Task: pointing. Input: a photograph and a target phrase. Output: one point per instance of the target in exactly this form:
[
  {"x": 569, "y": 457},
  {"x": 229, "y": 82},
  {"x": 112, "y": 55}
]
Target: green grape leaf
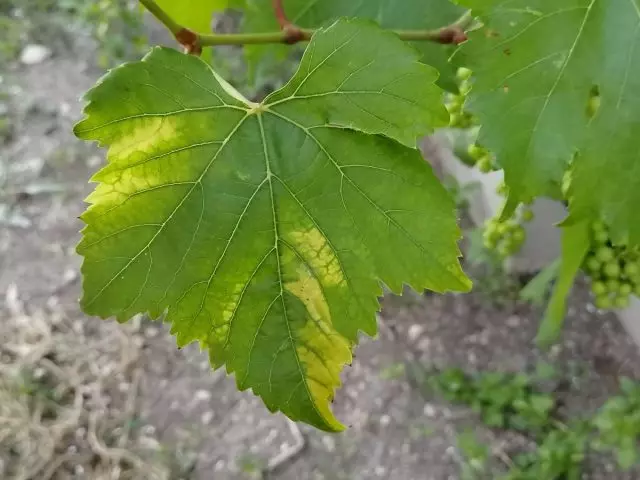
[
  {"x": 194, "y": 14},
  {"x": 558, "y": 77},
  {"x": 575, "y": 246},
  {"x": 263, "y": 230},
  {"x": 404, "y": 14}
]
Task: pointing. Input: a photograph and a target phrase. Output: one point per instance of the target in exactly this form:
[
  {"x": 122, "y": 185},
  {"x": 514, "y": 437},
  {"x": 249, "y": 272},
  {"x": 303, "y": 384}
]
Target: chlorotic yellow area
[
  {"x": 143, "y": 135},
  {"x": 140, "y": 137},
  {"x": 321, "y": 350},
  {"x": 315, "y": 249}
]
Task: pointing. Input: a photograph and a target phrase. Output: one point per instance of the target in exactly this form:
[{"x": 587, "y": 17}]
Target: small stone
[
  {"x": 151, "y": 332},
  {"x": 93, "y": 161},
  {"x": 513, "y": 321},
  {"x": 33, "y": 54},
  {"x": 148, "y": 443},
  {"x": 385, "y": 420},
  {"x": 329, "y": 443},
  {"x": 380, "y": 471},
  {"x": 203, "y": 395},
  {"x": 429, "y": 411},
  {"x": 414, "y": 332},
  {"x": 207, "y": 417}
]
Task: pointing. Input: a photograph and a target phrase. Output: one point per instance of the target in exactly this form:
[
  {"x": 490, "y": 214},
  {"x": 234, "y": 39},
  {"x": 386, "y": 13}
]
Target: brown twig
[
  {"x": 281, "y": 16},
  {"x": 290, "y": 33}
]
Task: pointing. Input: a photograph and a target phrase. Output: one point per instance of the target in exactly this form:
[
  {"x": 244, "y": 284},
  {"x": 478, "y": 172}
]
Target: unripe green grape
[
  {"x": 600, "y": 238},
  {"x": 463, "y": 73},
  {"x": 593, "y": 264},
  {"x": 505, "y": 250},
  {"x": 492, "y": 235},
  {"x": 613, "y": 286},
  {"x": 502, "y": 189},
  {"x": 476, "y": 151},
  {"x": 603, "y": 302},
  {"x": 527, "y": 215},
  {"x": 518, "y": 235},
  {"x": 455, "y": 103},
  {"x": 484, "y": 164},
  {"x": 455, "y": 119},
  {"x": 632, "y": 270},
  {"x": 489, "y": 243},
  {"x": 625, "y": 289},
  {"x": 605, "y": 254},
  {"x": 611, "y": 269},
  {"x": 621, "y": 301},
  {"x": 598, "y": 288}
]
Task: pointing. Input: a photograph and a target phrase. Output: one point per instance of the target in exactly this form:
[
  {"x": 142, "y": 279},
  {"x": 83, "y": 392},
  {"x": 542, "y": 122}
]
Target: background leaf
[
  {"x": 405, "y": 14},
  {"x": 538, "y": 65},
  {"x": 194, "y": 14},
  {"x": 263, "y": 230}
]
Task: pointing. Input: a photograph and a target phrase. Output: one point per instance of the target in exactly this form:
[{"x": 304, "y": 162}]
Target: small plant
[
  {"x": 515, "y": 402},
  {"x": 618, "y": 424}
]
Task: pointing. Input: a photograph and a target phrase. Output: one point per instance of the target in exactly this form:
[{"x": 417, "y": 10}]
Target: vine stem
[{"x": 193, "y": 42}]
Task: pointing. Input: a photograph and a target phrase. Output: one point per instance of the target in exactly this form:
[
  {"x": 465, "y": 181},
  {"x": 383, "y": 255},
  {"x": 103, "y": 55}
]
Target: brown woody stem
[{"x": 290, "y": 34}]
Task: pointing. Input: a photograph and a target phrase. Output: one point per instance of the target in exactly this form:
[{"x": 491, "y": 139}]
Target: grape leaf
[
  {"x": 263, "y": 230},
  {"x": 538, "y": 64},
  {"x": 194, "y": 14},
  {"x": 405, "y": 14}
]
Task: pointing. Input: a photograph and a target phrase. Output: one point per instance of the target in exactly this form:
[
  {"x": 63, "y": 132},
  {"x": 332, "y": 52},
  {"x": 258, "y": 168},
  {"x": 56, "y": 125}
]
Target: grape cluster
[
  {"x": 482, "y": 157},
  {"x": 614, "y": 270},
  {"x": 506, "y": 237},
  {"x": 455, "y": 102}
]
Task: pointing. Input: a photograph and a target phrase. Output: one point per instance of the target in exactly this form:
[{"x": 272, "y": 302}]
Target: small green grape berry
[
  {"x": 518, "y": 235},
  {"x": 484, "y": 164},
  {"x": 502, "y": 189},
  {"x": 463, "y": 73},
  {"x": 603, "y": 302},
  {"x": 491, "y": 235},
  {"x": 611, "y": 269},
  {"x": 621, "y": 301},
  {"x": 476, "y": 151},
  {"x": 503, "y": 229},
  {"x": 527, "y": 215},
  {"x": 632, "y": 270},
  {"x": 613, "y": 286},
  {"x": 598, "y": 288},
  {"x": 455, "y": 103},
  {"x": 625, "y": 289},
  {"x": 465, "y": 88},
  {"x": 593, "y": 265},
  {"x": 455, "y": 119},
  {"x": 600, "y": 238},
  {"x": 605, "y": 254},
  {"x": 489, "y": 243},
  {"x": 505, "y": 250}
]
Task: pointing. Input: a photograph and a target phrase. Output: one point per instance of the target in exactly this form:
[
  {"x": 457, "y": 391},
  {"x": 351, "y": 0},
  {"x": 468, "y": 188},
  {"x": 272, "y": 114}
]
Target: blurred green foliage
[
  {"x": 115, "y": 25},
  {"x": 526, "y": 404}
]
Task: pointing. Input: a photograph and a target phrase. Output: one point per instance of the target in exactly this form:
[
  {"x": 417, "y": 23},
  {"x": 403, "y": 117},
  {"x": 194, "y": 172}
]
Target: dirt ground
[{"x": 394, "y": 431}]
